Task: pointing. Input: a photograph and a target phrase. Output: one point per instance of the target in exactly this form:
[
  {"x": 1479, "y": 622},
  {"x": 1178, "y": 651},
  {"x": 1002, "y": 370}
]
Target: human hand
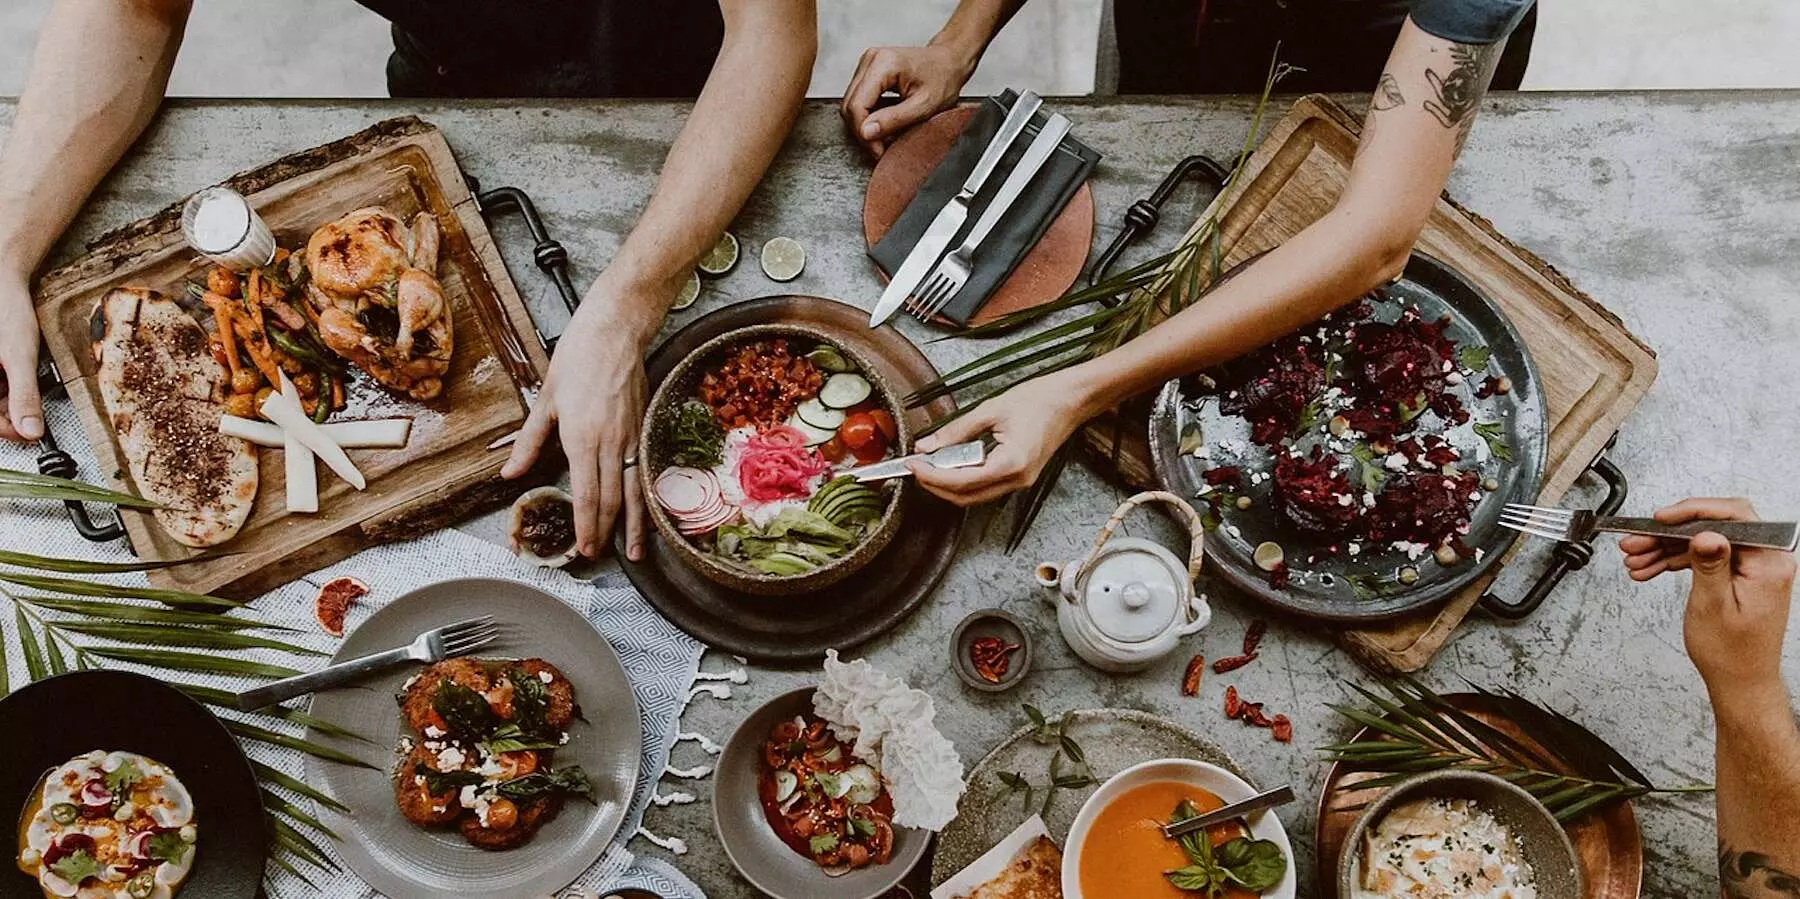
[
  {"x": 594, "y": 397},
  {"x": 1737, "y": 609},
  {"x": 1028, "y": 423},
  {"x": 19, "y": 358},
  {"x": 928, "y": 79}
]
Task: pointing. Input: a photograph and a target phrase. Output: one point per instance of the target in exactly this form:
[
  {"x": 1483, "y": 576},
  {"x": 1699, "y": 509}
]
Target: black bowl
[{"x": 57, "y": 719}]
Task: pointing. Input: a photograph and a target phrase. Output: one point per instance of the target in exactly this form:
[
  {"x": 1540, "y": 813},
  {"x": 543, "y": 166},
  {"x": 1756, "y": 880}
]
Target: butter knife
[
  {"x": 960, "y": 455},
  {"x": 950, "y": 219}
]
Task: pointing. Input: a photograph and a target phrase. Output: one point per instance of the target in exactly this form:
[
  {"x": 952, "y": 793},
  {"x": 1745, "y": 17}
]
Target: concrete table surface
[{"x": 1676, "y": 210}]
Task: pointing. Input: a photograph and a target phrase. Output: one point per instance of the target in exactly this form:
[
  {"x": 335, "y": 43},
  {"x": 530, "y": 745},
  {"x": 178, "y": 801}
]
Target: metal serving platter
[{"x": 1363, "y": 588}]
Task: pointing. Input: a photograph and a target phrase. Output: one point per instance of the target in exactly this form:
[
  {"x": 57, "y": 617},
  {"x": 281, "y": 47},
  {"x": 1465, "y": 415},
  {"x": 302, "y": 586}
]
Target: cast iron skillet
[
  {"x": 54, "y": 720},
  {"x": 1331, "y": 591}
]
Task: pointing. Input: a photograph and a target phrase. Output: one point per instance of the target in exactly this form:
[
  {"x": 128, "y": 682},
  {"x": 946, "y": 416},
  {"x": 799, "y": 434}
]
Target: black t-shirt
[
  {"x": 1224, "y": 46},
  {"x": 551, "y": 48}
]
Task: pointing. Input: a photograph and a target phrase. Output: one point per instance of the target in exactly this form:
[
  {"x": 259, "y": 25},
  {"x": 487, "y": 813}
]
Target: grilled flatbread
[
  {"x": 164, "y": 394},
  {"x": 1035, "y": 874}
]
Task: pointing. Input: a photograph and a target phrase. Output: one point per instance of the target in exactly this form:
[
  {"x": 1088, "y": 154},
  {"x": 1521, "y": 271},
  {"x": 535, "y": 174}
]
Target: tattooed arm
[
  {"x": 1736, "y": 620},
  {"x": 1420, "y": 113}
]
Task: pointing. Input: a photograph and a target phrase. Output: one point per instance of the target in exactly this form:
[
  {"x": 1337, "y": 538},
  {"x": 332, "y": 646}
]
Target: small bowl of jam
[{"x": 543, "y": 527}]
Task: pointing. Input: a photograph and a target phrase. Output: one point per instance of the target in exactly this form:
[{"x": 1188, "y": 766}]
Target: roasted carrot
[
  {"x": 256, "y": 343},
  {"x": 221, "y": 309}
]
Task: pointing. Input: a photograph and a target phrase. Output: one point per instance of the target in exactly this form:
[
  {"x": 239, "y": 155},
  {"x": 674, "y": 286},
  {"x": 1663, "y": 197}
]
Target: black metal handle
[
  {"x": 1569, "y": 555},
  {"x": 551, "y": 258},
  {"x": 56, "y": 463},
  {"x": 1141, "y": 217}
]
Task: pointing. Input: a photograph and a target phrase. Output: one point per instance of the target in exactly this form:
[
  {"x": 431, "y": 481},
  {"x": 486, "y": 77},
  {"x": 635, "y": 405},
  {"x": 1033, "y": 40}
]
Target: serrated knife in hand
[{"x": 955, "y": 213}]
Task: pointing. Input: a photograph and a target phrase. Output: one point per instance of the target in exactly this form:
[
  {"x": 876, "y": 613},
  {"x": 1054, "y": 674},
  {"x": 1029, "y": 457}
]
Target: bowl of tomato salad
[{"x": 744, "y": 457}]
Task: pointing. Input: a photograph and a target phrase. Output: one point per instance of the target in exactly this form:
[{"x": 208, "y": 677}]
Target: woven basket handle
[{"x": 1190, "y": 518}]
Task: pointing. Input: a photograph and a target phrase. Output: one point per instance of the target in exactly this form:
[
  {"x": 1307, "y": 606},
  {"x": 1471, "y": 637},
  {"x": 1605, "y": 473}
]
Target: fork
[
  {"x": 1580, "y": 525},
  {"x": 954, "y": 270},
  {"x": 434, "y": 645}
]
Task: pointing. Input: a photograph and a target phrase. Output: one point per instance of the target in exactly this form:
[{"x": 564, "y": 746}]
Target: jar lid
[{"x": 1131, "y": 595}]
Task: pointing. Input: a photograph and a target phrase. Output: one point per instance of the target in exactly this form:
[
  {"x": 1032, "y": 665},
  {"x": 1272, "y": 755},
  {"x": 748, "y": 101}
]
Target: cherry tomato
[
  {"x": 860, "y": 432},
  {"x": 871, "y": 453},
  {"x": 885, "y": 421},
  {"x": 834, "y": 450}
]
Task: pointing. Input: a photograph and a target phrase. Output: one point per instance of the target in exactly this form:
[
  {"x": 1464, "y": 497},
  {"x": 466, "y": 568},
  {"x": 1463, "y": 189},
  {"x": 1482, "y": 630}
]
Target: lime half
[
  {"x": 783, "y": 258},
  {"x": 721, "y": 257},
  {"x": 689, "y": 293}
]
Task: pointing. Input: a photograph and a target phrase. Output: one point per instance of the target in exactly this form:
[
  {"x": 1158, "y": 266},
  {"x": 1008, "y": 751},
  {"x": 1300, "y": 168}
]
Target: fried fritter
[
  {"x": 532, "y": 814},
  {"x": 416, "y": 704},
  {"x": 416, "y": 801},
  {"x": 560, "y": 707}
]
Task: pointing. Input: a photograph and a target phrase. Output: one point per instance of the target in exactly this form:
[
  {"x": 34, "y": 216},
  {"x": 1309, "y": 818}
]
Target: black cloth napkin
[{"x": 1023, "y": 225}]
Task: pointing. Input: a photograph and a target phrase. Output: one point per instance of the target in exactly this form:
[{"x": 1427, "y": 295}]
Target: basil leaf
[
  {"x": 1194, "y": 878},
  {"x": 1197, "y": 846},
  {"x": 571, "y": 780},
  {"x": 1252, "y": 864},
  {"x": 445, "y": 781},
  {"x": 465, "y": 711}
]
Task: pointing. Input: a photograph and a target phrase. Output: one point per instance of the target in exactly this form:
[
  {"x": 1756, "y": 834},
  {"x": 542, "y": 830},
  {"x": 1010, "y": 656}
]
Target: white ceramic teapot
[{"x": 1129, "y": 602}]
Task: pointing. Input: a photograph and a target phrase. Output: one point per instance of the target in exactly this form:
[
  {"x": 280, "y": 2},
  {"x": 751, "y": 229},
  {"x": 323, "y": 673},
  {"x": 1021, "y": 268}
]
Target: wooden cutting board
[
  {"x": 445, "y": 473},
  {"x": 1594, "y": 371}
]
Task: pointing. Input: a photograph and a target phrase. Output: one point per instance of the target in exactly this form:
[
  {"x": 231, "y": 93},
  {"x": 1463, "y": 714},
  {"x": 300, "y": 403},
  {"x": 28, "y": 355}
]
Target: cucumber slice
[
  {"x": 818, "y": 415},
  {"x": 827, "y": 359},
  {"x": 865, "y": 784},
  {"x": 814, "y": 435},
  {"x": 841, "y": 391}
]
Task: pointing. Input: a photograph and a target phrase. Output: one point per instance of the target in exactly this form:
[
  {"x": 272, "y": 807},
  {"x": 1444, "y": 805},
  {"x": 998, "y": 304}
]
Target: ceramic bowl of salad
[{"x": 744, "y": 451}]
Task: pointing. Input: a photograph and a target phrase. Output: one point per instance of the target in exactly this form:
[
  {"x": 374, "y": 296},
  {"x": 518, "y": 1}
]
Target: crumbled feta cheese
[
  {"x": 1454, "y": 378},
  {"x": 1344, "y": 499},
  {"x": 1354, "y": 548},
  {"x": 450, "y": 758},
  {"x": 418, "y": 780},
  {"x": 410, "y": 681},
  {"x": 1368, "y": 499},
  {"x": 432, "y": 731},
  {"x": 546, "y": 676},
  {"x": 467, "y": 796},
  {"x": 1396, "y": 462}
]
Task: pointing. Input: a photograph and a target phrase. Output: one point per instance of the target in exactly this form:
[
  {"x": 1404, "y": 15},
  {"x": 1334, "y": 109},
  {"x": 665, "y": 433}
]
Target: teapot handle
[{"x": 1190, "y": 518}]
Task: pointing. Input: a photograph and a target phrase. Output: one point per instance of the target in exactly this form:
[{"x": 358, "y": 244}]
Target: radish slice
[{"x": 685, "y": 490}]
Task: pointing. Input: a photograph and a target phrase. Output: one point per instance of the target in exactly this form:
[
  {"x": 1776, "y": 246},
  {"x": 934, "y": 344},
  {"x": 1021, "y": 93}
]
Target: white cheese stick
[
  {"x": 302, "y": 475},
  {"x": 288, "y": 414},
  {"x": 380, "y": 433}
]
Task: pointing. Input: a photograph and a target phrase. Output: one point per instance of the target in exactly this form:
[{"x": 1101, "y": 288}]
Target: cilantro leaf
[
  {"x": 1474, "y": 357},
  {"x": 863, "y": 826},
  {"x": 1490, "y": 431},
  {"x": 824, "y": 842},
  {"x": 120, "y": 780},
  {"x": 77, "y": 866},
  {"x": 168, "y": 846}
]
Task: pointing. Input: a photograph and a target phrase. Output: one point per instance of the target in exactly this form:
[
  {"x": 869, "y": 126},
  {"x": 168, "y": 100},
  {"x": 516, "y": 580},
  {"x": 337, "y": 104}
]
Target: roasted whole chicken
[{"x": 379, "y": 304}]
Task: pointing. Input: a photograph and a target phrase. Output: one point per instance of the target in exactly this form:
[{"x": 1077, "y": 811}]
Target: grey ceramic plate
[
  {"x": 403, "y": 861},
  {"x": 1112, "y": 739},
  {"x": 1541, "y": 839},
  {"x": 751, "y": 844},
  {"x": 1325, "y": 590}
]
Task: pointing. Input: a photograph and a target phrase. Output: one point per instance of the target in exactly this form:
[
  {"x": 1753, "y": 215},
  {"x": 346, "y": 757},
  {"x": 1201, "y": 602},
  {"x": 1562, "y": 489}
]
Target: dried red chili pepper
[
  {"x": 1231, "y": 663},
  {"x": 991, "y": 657},
  {"x": 1253, "y": 636},
  {"x": 1190, "y": 679},
  {"x": 1233, "y": 705},
  {"x": 1253, "y": 714},
  {"x": 1284, "y": 729}
]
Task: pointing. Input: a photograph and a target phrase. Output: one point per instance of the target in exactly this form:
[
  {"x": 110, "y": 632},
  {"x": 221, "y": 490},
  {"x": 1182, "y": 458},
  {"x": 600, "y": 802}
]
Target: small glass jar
[{"x": 220, "y": 224}]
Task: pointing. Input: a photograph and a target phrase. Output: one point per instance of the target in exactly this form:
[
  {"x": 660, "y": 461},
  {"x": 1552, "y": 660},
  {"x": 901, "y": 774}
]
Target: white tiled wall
[{"x": 335, "y": 48}]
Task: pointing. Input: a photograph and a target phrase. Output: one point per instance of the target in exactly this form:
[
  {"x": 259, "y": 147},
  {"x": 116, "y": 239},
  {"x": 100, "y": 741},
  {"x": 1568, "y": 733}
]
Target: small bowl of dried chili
[{"x": 991, "y": 650}]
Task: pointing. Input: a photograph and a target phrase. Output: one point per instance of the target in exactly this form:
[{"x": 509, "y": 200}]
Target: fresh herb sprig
[
  {"x": 1047, "y": 732},
  {"x": 1255, "y": 865},
  {"x": 1411, "y": 729}
]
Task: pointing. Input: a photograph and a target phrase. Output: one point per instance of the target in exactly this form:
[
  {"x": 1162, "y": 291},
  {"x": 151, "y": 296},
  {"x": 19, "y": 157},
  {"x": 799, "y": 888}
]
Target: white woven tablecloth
[{"x": 661, "y": 660}]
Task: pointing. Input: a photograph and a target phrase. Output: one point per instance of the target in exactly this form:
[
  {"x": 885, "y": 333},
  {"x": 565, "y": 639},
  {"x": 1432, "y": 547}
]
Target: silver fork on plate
[
  {"x": 434, "y": 645},
  {"x": 1580, "y": 525},
  {"x": 954, "y": 270}
]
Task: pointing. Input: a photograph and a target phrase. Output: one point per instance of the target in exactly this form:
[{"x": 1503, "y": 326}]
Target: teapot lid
[{"x": 1132, "y": 593}]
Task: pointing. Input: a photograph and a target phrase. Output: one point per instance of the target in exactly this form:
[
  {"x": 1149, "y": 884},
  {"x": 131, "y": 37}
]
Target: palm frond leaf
[
  {"x": 75, "y": 587},
  {"x": 285, "y": 741},
  {"x": 118, "y": 611},
  {"x": 179, "y": 660},
  {"x": 294, "y": 784},
  {"x": 224, "y": 699},
  {"x": 1412, "y": 729},
  {"x": 16, "y": 484},
  {"x": 179, "y": 635},
  {"x": 5, "y": 677},
  {"x": 85, "y": 566},
  {"x": 279, "y": 804},
  {"x": 297, "y": 843},
  {"x": 28, "y": 646}
]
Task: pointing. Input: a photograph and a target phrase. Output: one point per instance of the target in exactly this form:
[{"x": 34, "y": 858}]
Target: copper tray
[
  {"x": 1046, "y": 272},
  {"x": 1609, "y": 843},
  {"x": 796, "y": 630}
]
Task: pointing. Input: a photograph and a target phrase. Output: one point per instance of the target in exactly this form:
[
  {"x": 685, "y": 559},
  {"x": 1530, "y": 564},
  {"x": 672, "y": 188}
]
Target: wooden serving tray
[
  {"x": 1594, "y": 371},
  {"x": 444, "y": 474}
]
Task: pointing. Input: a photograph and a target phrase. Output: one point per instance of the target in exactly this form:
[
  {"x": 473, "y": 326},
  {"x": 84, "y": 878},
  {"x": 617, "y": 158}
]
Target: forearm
[
  {"x": 96, "y": 79},
  {"x": 737, "y": 126},
  {"x": 972, "y": 27},
  {"x": 1334, "y": 260},
  {"x": 1758, "y": 783}
]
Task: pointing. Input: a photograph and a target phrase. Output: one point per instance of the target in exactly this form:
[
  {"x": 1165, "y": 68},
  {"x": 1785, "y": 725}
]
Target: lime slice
[
  {"x": 783, "y": 258},
  {"x": 1268, "y": 555},
  {"x": 721, "y": 257},
  {"x": 689, "y": 293}
]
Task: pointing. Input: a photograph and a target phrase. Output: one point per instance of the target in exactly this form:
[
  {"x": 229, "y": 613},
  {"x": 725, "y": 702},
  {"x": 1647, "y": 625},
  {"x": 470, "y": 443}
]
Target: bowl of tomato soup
[{"x": 1116, "y": 849}]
